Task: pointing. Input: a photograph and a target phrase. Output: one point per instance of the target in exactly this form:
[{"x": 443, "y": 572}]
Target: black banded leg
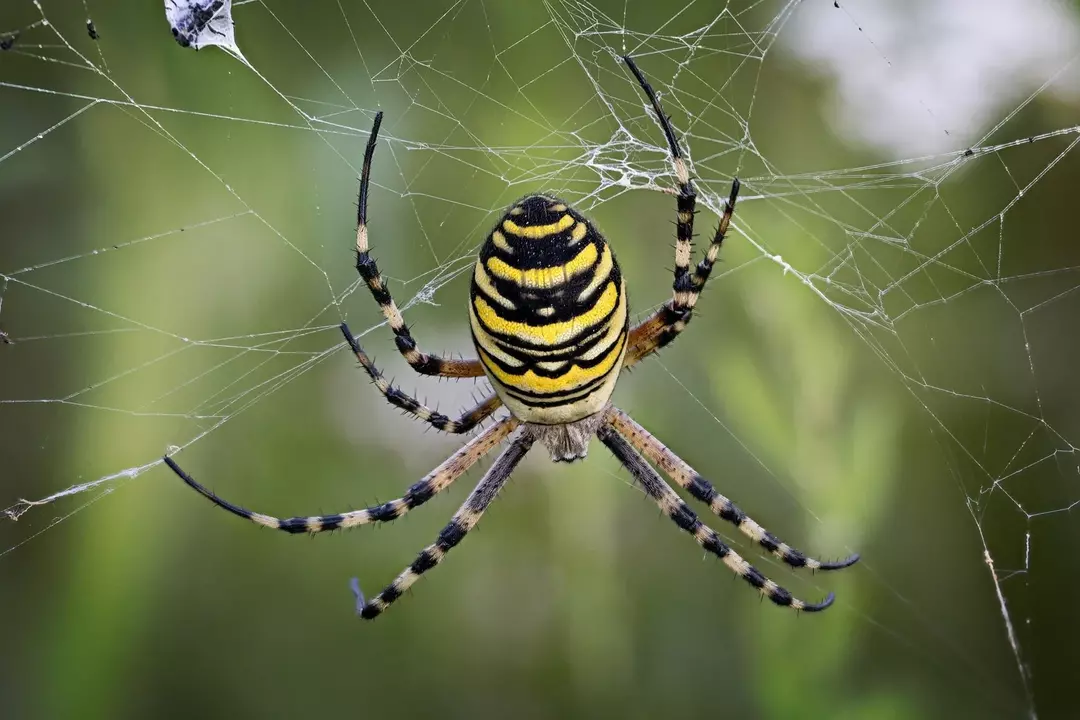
[
  {"x": 681, "y": 514},
  {"x": 671, "y": 319},
  {"x": 686, "y": 477},
  {"x": 435, "y": 482},
  {"x": 704, "y": 268},
  {"x": 464, "y": 520},
  {"x": 411, "y": 405},
  {"x": 369, "y": 271},
  {"x": 686, "y": 198}
]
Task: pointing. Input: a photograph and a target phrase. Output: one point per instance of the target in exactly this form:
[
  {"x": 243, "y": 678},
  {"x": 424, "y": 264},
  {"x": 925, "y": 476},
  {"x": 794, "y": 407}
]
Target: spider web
[{"x": 154, "y": 226}]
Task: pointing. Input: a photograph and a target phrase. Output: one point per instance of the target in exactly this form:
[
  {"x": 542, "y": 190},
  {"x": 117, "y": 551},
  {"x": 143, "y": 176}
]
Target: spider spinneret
[{"x": 549, "y": 320}]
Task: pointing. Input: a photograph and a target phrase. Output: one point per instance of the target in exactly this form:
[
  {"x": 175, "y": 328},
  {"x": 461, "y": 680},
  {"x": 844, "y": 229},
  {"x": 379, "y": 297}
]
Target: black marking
[
  {"x": 684, "y": 517},
  {"x": 366, "y": 266},
  {"x": 840, "y": 564},
  {"x": 701, "y": 490},
  {"x": 365, "y": 173},
  {"x": 385, "y": 512},
  {"x": 562, "y": 397},
  {"x": 91, "y": 30},
  {"x": 754, "y": 577},
  {"x": 451, "y": 535},
  {"x": 293, "y": 525},
  {"x": 331, "y": 522},
  {"x": 381, "y": 295},
  {"x": 769, "y": 541},
  {"x": 8, "y": 41},
  {"x": 665, "y": 124},
  {"x": 419, "y": 493},
  {"x": 684, "y": 281},
  {"x": 715, "y": 546},
  {"x": 401, "y": 400},
  {"x": 424, "y": 562},
  {"x": 733, "y": 196},
  {"x": 781, "y": 597},
  {"x": 821, "y": 605},
  {"x": 575, "y": 340},
  {"x": 353, "y": 344},
  {"x": 390, "y": 594},
  {"x": 794, "y": 558},
  {"x": 732, "y": 514}
]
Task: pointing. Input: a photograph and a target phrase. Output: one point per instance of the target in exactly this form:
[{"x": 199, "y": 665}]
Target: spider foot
[
  {"x": 839, "y": 564},
  {"x": 354, "y": 583}
]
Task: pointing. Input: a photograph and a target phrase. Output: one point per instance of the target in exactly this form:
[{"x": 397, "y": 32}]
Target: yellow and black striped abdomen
[{"x": 548, "y": 312}]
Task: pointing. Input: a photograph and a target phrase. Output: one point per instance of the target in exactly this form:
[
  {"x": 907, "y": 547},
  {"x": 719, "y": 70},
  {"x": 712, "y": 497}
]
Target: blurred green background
[{"x": 174, "y": 258}]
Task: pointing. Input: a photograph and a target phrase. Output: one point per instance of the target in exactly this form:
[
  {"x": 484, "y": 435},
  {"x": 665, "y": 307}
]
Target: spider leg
[
  {"x": 436, "y": 481},
  {"x": 366, "y": 266},
  {"x": 681, "y": 514},
  {"x": 686, "y": 478},
  {"x": 671, "y": 319},
  {"x": 411, "y": 405},
  {"x": 686, "y": 198},
  {"x": 464, "y": 520}
]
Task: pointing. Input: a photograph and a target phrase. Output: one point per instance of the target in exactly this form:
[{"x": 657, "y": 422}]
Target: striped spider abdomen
[{"x": 548, "y": 312}]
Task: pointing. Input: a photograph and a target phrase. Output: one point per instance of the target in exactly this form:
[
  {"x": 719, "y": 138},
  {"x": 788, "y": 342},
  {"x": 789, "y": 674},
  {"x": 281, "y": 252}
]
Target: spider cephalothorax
[{"x": 549, "y": 320}]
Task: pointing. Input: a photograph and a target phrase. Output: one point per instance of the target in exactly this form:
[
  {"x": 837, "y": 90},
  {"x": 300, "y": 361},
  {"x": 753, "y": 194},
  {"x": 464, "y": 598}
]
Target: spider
[{"x": 550, "y": 325}]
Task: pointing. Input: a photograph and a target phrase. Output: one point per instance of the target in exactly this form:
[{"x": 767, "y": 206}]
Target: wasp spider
[{"x": 549, "y": 320}]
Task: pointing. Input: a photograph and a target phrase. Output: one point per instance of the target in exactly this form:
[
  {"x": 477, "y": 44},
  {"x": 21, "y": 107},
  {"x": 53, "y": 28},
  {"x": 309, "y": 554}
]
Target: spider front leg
[
  {"x": 688, "y": 479},
  {"x": 680, "y": 513},
  {"x": 685, "y": 197},
  {"x": 464, "y": 520},
  {"x": 436, "y": 481},
  {"x": 665, "y": 324},
  {"x": 411, "y": 405},
  {"x": 366, "y": 266}
]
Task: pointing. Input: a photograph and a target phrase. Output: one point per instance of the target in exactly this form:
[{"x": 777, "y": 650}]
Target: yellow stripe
[
  {"x": 572, "y": 378},
  {"x": 545, "y": 277},
  {"x": 615, "y": 328},
  {"x": 555, "y": 332},
  {"x": 500, "y": 242},
  {"x": 602, "y": 272},
  {"x": 491, "y": 345},
  {"x": 536, "y": 232},
  {"x": 578, "y": 232},
  {"x": 480, "y": 277}
]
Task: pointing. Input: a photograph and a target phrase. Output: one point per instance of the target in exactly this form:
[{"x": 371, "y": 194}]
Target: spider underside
[{"x": 550, "y": 324}]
